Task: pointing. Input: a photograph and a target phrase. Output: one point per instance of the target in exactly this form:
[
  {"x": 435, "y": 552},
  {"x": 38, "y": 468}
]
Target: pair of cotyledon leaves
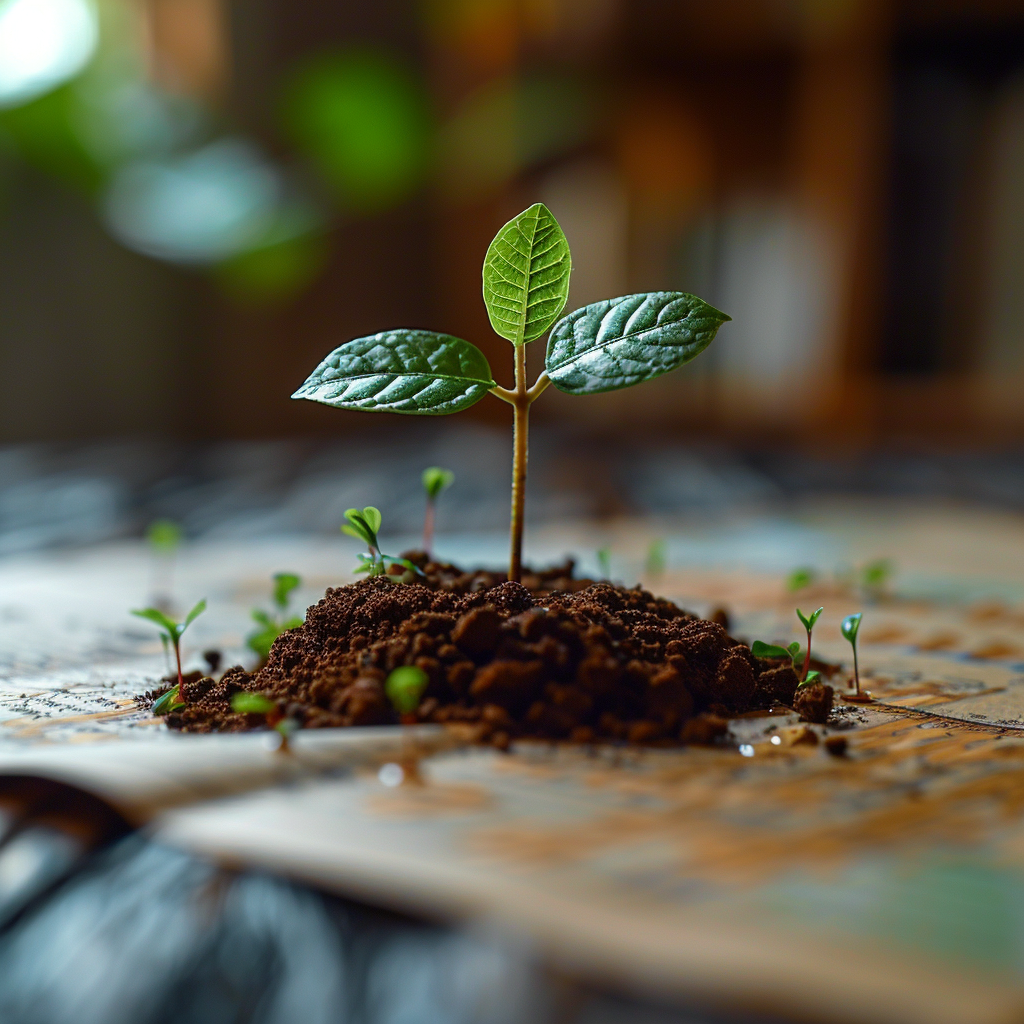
[{"x": 607, "y": 345}]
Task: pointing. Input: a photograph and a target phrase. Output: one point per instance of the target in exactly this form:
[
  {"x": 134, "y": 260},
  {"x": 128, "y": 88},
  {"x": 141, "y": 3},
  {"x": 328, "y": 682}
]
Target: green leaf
[
  {"x": 284, "y": 584},
  {"x": 166, "y": 702},
  {"x": 406, "y": 371},
  {"x": 876, "y": 574},
  {"x": 620, "y": 342},
  {"x": 192, "y": 616},
  {"x": 157, "y": 617},
  {"x": 809, "y": 620},
  {"x": 262, "y": 640},
  {"x": 405, "y": 563},
  {"x": 812, "y": 677},
  {"x": 404, "y": 687},
  {"x": 293, "y": 623},
  {"x": 851, "y": 627},
  {"x": 436, "y": 480},
  {"x": 246, "y": 703},
  {"x": 793, "y": 648},
  {"x": 164, "y": 535},
  {"x": 372, "y": 518},
  {"x": 526, "y": 275},
  {"x": 359, "y": 527},
  {"x": 800, "y": 578},
  {"x": 261, "y": 617},
  {"x": 762, "y": 650}
]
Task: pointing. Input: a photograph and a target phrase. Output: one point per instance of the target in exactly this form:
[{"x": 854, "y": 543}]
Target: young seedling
[
  {"x": 272, "y": 626},
  {"x": 808, "y": 622},
  {"x": 800, "y": 578},
  {"x": 604, "y": 562},
  {"x": 164, "y": 538},
  {"x": 435, "y": 480},
  {"x": 657, "y": 558},
  {"x": 760, "y": 649},
  {"x": 850, "y": 628},
  {"x": 875, "y": 577},
  {"x": 172, "y": 632},
  {"x": 611, "y": 344},
  {"x": 363, "y": 524},
  {"x": 404, "y": 687},
  {"x": 247, "y": 703}
]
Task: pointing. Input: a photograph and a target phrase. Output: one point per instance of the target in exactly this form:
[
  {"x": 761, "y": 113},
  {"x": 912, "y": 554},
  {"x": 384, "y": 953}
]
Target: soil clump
[{"x": 554, "y": 658}]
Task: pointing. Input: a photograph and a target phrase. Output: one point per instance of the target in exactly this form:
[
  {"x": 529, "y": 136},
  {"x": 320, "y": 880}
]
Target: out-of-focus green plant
[
  {"x": 272, "y": 626},
  {"x": 607, "y": 345},
  {"x": 404, "y": 688},
  {"x": 876, "y": 576},
  {"x": 249, "y": 703},
  {"x": 800, "y": 578},
  {"x": 850, "y": 628},
  {"x": 604, "y": 562},
  {"x": 435, "y": 480},
  {"x": 657, "y": 558}
]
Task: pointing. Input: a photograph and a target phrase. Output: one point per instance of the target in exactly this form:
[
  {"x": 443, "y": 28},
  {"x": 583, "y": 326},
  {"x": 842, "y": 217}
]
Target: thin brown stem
[
  {"x": 177, "y": 655},
  {"x": 520, "y": 436},
  {"x": 807, "y": 656},
  {"x": 428, "y": 527},
  {"x": 504, "y": 394}
]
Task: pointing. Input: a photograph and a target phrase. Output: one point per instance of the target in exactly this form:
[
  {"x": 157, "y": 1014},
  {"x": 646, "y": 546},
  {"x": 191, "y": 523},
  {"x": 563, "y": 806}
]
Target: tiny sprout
[
  {"x": 657, "y": 558},
  {"x": 363, "y": 525},
  {"x": 404, "y": 687},
  {"x": 164, "y": 537},
  {"x": 604, "y": 562},
  {"x": 271, "y": 627},
  {"x": 435, "y": 480},
  {"x": 762, "y": 650},
  {"x": 808, "y": 624},
  {"x": 875, "y": 576},
  {"x": 170, "y": 701},
  {"x": 812, "y": 677},
  {"x": 170, "y": 629},
  {"x": 800, "y": 578},
  {"x": 850, "y": 628},
  {"x": 248, "y": 703}
]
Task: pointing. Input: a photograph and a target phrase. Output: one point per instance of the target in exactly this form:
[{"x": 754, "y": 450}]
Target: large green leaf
[
  {"x": 401, "y": 371},
  {"x": 526, "y": 275},
  {"x": 620, "y": 342}
]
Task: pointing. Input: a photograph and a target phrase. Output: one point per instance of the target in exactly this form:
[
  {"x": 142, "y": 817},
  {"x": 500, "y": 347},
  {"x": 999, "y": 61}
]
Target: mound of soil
[{"x": 561, "y": 659}]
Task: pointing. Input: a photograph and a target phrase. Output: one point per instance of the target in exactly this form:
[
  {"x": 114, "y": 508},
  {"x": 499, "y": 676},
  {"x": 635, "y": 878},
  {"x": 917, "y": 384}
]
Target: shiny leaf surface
[{"x": 616, "y": 343}]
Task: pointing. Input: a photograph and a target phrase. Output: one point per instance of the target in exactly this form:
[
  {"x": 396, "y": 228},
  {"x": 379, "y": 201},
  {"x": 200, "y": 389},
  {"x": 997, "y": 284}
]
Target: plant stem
[
  {"x": 177, "y": 655},
  {"x": 428, "y": 527},
  {"x": 807, "y": 656},
  {"x": 520, "y": 437},
  {"x": 856, "y": 673}
]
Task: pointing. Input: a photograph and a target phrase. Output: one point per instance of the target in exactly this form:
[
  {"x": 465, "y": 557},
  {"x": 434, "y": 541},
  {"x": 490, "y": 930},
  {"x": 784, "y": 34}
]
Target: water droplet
[
  {"x": 776, "y": 741},
  {"x": 746, "y": 750},
  {"x": 391, "y": 774}
]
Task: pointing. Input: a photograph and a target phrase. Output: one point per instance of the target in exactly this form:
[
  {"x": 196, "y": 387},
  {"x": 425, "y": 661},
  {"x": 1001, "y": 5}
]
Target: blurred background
[{"x": 200, "y": 198}]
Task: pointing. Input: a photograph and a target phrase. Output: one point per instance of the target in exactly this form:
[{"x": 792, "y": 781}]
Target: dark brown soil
[{"x": 560, "y": 658}]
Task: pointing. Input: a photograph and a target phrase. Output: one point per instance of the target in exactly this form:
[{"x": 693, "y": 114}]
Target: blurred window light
[
  {"x": 43, "y": 43},
  {"x": 201, "y": 208}
]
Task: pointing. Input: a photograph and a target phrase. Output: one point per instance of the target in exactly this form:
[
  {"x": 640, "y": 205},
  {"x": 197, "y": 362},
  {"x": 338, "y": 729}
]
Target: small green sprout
[
  {"x": 604, "y": 562},
  {"x": 812, "y": 677},
  {"x": 808, "y": 624},
  {"x": 762, "y": 650},
  {"x": 272, "y": 626},
  {"x": 875, "y": 577},
  {"x": 611, "y": 344},
  {"x": 363, "y": 524},
  {"x": 850, "y": 628},
  {"x": 800, "y": 578},
  {"x": 248, "y": 703},
  {"x": 404, "y": 687},
  {"x": 172, "y": 632},
  {"x": 657, "y": 557},
  {"x": 170, "y": 701},
  {"x": 435, "y": 480},
  {"x": 164, "y": 538}
]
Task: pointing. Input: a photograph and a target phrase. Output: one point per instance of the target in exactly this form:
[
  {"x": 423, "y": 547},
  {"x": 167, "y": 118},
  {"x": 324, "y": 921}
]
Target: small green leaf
[
  {"x": 657, "y": 558},
  {"x": 405, "y": 563},
  {"x": 809, "y": 620},
  {"x": 526, "y": 275},
  {"x": 604, "y": 561},
  {"x": 762, "y": 650},
  {"x": 372, "y": 518},
  {"x": 620, "y": 342},
  {"x": 800, "y": 578},
  {"x": 262, "y": 640},
  {"x": 164, "y": 704},
  {"x": 436, "y": 480},
  {"x": 262, "y": 617},
  {"x": 876, "y": 574},
  {"x": 284, "y": 584},
  {"x": 157, "y": 617},
  {"x": 851, "y": 627},
  {"x": 293, "y": 623},
  {"x": 164, "y": 535},
  {"x": 406, "y": 371},
  {"x": 812, "y": 677},
  {"x": 404, "y": 687},
  {"x": 359, "y": 527},
  {"x": 793, "y": 648},
  {"x": 192, "y": 616},
  {"x": 246, "y": 703}
]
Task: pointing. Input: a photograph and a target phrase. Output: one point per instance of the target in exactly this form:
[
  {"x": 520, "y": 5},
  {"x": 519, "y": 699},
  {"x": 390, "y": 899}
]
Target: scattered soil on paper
[{"x": 554, "y": 657}]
